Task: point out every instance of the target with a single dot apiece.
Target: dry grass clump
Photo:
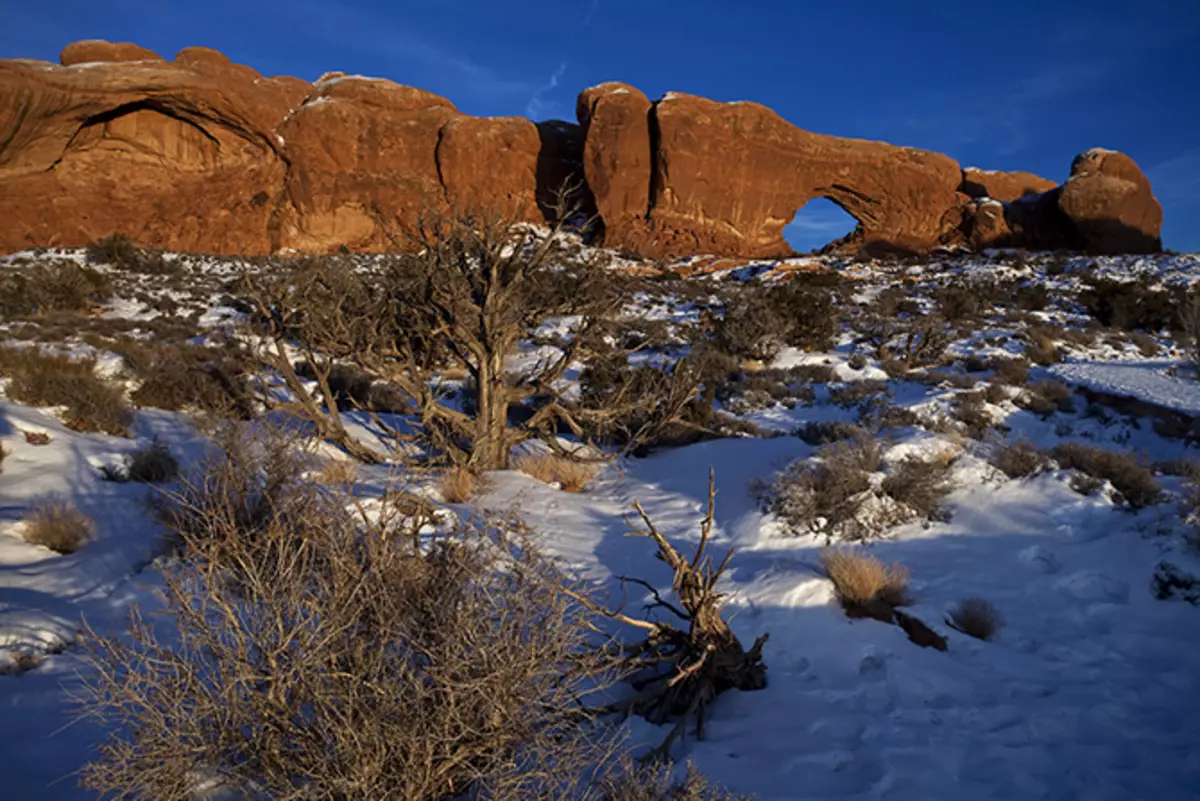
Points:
(37, 438)
(976, 617)
(92, 404)
(1019, 459)
(1046, 397)
(458, 484)
(188, 376)
(823, 432)
(338, 473)
(866, 586)
(58, 286)
(653, 783)
(569, 474)
(55, 524)
(853, 393)
(119, 251)
(922, 484)
(1010, 371)
(316, 652)
(1042, 348)
(1132, 479)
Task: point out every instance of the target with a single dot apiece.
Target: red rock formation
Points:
(1110, 204)
(617, 161)
(690, 175)
(171, 156)
(203, 154)
(1002, 186)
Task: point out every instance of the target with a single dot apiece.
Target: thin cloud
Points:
(1177, 180)
(537, 105)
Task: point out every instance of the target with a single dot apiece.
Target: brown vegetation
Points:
(55, 524)
(39, 379)
(1133, 480)
(571, 475)
(865, 585)
(976, 617)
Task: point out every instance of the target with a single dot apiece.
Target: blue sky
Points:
(1019, 85)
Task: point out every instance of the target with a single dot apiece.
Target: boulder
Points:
(1110, 204)
(489, 166)
(1002, 186)
(97, 51)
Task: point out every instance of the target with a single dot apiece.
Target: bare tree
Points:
(474, 290)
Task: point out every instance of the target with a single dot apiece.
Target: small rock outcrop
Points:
(202, 154)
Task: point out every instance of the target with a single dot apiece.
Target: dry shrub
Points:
(59, 286)
(319, 653)
(92, 404)
(827, 493)
(1131, 478)
(119, 251)
(853, 393)
(760, 321)
(653, 782)
(570, 474)
(969, 409)
(188, 376)
(458, 484)
(1010, 371)
(338, 473)
(55, 524)
(1042, 348)
(1046, 397)
(922, 484)
(153, 464)
(1019, 459)
(976, 617)
(866, 586)
(1143, 303)
(822, 432)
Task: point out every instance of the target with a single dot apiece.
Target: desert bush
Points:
(1010, 371)
(639, 408)
(458, 484)
(759, 322)
(959, 300)
(866, 586)
(1046, 397)
(832, 493)
(1019, 459)
(822, 432)
(570, 474)
(118, 251)
(153, 464)
(995, 393)
(59, 286)
(92, 404)
(976, 617)
(1131, 478)
(319, 653)
(1031, 297)
(1129, 305)
(189, 376)
(1042, 348)
(922, 484)
(969, 409)
(55, 524)
(852, 393)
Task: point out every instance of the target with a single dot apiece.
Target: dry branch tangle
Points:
(202, 154)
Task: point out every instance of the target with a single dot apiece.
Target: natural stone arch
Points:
(820, 222)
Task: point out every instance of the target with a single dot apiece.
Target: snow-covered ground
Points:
(1091, 691)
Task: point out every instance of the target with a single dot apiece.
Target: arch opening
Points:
(816, 224)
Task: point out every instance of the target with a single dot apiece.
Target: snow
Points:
(1144, 381)
(1090, 691)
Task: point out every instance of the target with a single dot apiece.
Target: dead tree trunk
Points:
(677, 672)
